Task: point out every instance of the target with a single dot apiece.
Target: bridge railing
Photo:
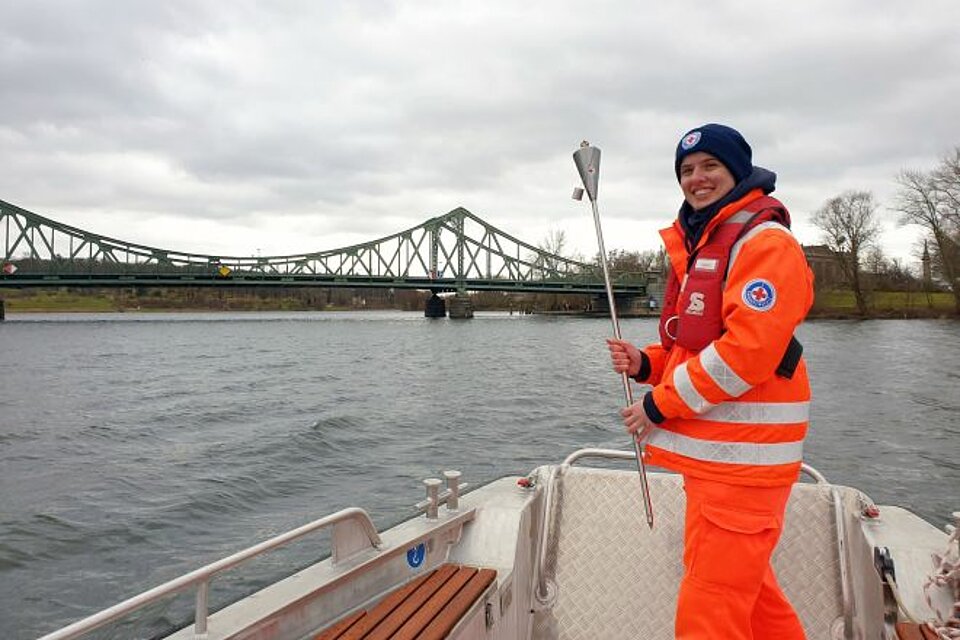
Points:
(107, 268)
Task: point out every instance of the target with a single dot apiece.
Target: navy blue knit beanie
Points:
(720, 141)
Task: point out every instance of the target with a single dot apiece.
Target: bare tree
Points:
(946, 180)
(551, 248)
(631, 263)
(875, 261)
(555, 242)
(547, 261)
(850, 230)
(875, 267)
(932, 200)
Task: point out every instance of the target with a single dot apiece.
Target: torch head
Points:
(587, 159)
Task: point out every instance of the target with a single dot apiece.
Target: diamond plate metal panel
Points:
(806, 561)
(616, 578)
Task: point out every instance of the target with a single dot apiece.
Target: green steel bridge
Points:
(455, 252)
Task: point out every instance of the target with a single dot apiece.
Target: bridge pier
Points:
(626, 305)
(461, 306)
(435, 307)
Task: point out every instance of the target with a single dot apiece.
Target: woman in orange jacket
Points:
(730, 399)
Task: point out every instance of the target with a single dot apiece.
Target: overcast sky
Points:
(285, 127)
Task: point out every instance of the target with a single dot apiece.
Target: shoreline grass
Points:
(828, 304)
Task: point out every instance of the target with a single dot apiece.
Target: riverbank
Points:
(195, 299)
(829, 304)
(841, 304)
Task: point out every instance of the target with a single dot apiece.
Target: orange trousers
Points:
(728, 590)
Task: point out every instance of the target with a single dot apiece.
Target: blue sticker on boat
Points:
(416, 555)
(760, 295)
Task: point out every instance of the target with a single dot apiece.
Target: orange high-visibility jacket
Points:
(729, 416)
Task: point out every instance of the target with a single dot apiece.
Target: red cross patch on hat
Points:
(690, 140)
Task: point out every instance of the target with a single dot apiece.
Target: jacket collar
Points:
(726, 212)
(673, 236)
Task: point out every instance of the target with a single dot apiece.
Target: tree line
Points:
(850, 225)
(930, 199)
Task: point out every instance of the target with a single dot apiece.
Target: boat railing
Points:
(546, 592)
(345, 525)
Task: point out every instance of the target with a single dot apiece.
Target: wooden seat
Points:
(912, 631)
(427, 608)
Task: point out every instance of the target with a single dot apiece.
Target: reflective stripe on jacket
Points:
(729, 417)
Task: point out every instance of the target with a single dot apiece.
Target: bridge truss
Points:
(454, 252)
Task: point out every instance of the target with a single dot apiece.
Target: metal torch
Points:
(587, 159)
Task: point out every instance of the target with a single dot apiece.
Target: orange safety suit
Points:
(735, 430)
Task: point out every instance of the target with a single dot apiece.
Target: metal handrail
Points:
(846, 597)
(201, 577)
(617, 454)
(544, 593)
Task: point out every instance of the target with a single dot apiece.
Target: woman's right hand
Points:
(625, 357)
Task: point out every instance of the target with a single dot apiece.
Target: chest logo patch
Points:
(696, 306)
(759, 294)
(705, 264)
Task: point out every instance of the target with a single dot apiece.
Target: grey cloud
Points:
(357, 115)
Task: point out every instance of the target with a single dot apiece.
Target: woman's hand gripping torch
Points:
(587, 159)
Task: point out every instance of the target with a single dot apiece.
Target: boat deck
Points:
(609, 573)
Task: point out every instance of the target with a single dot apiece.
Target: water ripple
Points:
(145, 447)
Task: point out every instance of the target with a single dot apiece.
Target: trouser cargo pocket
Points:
(732, 548)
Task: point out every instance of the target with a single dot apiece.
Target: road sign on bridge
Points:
(454, 252)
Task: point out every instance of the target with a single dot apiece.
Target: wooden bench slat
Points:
(443, 624)
(429, 610)
(427, 607)
(913, 631)
(928, 633)
(388, 626)
(385, 607)
(338, 629)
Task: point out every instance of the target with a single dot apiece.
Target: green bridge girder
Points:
(454, 252)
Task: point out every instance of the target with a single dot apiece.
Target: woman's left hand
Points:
(636, 421)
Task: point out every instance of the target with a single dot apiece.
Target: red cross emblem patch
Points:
(759, 294)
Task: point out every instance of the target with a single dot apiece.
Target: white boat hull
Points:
(575, 560)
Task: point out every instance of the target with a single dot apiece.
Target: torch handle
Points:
(627, 390)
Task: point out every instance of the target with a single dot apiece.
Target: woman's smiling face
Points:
(704, 179)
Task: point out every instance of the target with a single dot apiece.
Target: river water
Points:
(135, 447)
